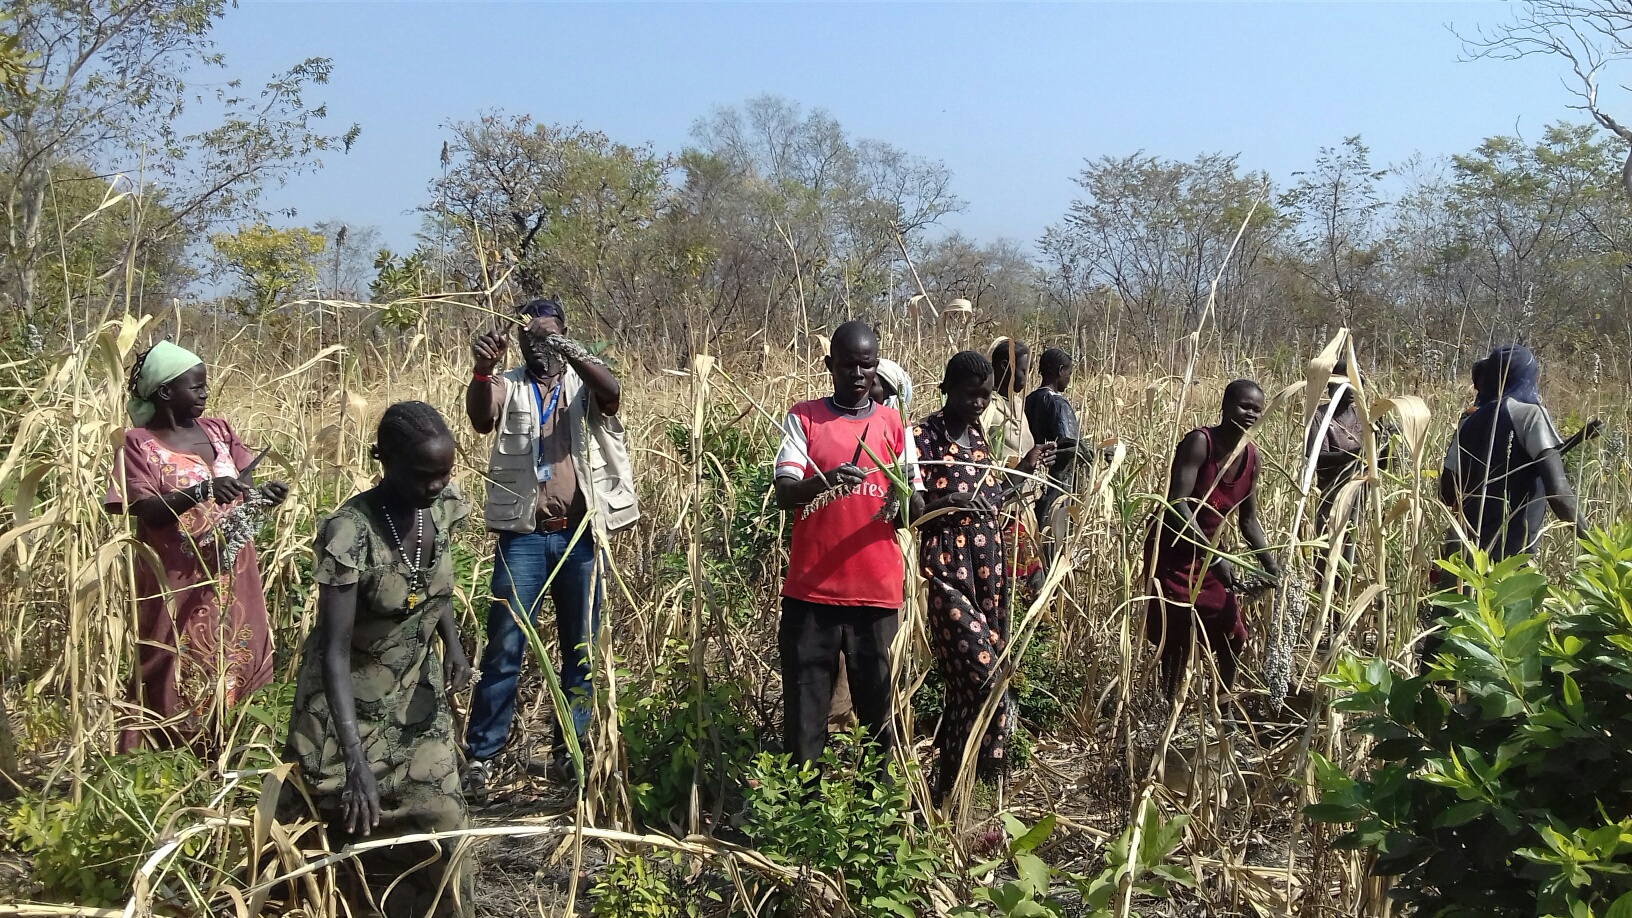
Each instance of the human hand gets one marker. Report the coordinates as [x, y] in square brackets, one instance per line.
[274, 492]
[1593, 429]
[1225, 571]
[1040, 455]
[226, 489]
[455, 668]
[487, 350]
[848, 475]
[966, 500]
[360, 800]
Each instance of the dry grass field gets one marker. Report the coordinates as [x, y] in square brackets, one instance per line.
[689, 691]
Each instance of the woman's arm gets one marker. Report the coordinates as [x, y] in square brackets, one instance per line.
[1591, 431]
[1180, 516]
[456, 666]
[1253, 531]
[162, 510]
[1560, 496]
[337, 613]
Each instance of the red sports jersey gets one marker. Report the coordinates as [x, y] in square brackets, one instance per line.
[841, 555]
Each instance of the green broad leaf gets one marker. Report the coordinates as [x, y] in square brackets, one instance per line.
[898, 907]
[1029, 908]
[982, 871]
[1460, 814]
[1333, 812]
[1012, 824]
[1572, 699]
[1034, 874]
[1034, 836]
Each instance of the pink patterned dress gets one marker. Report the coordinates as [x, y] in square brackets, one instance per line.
[204, 642]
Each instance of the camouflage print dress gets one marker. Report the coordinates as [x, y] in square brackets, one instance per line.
[403, 718]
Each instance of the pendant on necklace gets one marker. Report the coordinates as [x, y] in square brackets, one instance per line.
[413, 600]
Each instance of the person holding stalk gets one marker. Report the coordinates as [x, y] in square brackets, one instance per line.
[1335, 439]
[203, 640]
[1215, 474]
[371, 729]
[1004, 424]
[558, 484]
[845, 581]
[1051, 419]
[961, 552]
[1505, 468]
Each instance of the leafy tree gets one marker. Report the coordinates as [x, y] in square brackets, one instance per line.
[110, 85]
[269, 263]
[566, 207]
[1334, 209]
[801, 215]
[1158, 232]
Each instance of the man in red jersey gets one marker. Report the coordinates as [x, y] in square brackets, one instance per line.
[843, 591]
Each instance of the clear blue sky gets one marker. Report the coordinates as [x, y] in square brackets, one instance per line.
[1013, 97]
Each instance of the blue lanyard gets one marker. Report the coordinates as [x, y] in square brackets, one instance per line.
[543, 412]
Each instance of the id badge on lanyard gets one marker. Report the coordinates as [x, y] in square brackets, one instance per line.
[545, 473]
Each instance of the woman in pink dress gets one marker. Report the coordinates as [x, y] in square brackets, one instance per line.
[1194, 583]
[203, 638]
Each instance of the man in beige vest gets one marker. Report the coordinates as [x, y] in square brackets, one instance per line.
[558, 483]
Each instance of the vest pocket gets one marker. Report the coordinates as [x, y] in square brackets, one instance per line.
[503, 503]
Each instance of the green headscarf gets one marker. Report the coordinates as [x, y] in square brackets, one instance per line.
[160, 365]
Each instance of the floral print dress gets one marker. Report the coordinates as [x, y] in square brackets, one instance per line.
[962, 558]
[203, 641]
[403, 716]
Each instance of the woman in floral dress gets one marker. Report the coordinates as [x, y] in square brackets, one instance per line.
[961, 552]
[371, 729]
[202, 633]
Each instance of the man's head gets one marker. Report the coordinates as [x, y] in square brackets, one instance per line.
[1055, 366]
[544, 317]
[853, 362]
[1011, 361]
[1243, 404]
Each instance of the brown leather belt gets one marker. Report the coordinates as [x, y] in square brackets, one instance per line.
[554, 524]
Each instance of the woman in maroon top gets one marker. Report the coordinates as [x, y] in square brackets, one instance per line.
[1193, 582]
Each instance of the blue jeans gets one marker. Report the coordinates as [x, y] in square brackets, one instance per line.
[521, 565]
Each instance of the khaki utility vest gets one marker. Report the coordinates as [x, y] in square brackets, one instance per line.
[599, 459]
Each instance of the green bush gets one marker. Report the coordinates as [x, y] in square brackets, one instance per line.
[1503, 790]
[633, 887]
[87, 851]
[1031, 894]
[849, 818]
[669, 725]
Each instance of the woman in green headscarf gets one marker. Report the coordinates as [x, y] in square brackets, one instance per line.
[203, 638]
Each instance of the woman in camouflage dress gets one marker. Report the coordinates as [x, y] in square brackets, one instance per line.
[371, 727]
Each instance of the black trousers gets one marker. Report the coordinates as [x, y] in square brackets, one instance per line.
[810, 637]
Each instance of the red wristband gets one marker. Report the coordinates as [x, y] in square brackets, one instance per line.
[477, 377]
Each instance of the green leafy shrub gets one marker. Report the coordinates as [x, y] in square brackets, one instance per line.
[1506, 792]
[669, 725]
[633, 887]
[1032, 892]
[850, 819]
[87, 851]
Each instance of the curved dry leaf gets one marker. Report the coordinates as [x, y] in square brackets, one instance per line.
[1414, 415]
